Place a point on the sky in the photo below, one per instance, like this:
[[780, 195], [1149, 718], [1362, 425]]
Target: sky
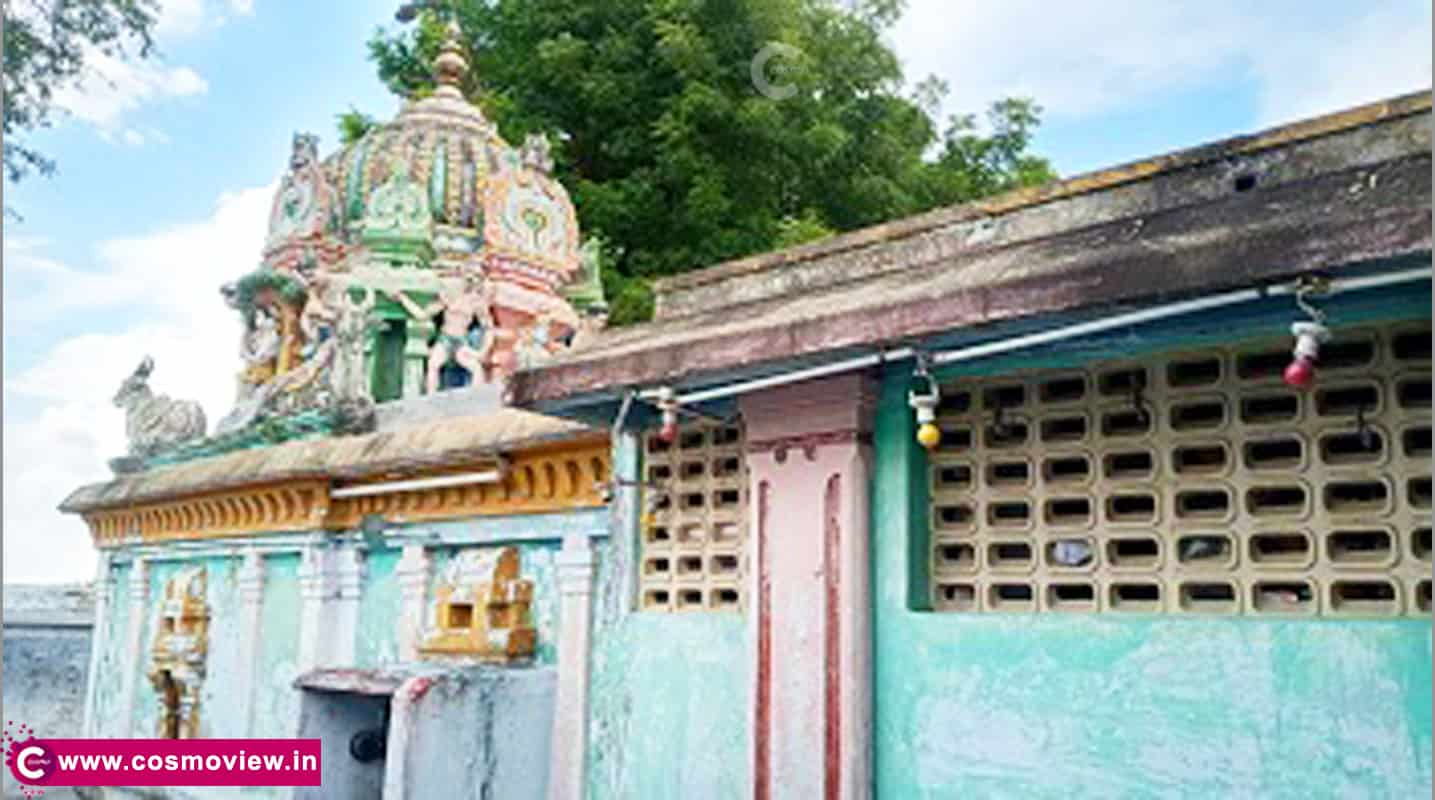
[[167, 168]]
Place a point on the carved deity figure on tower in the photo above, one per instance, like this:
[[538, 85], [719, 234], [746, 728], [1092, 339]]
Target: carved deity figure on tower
[[321, 310], [539, 342], [351, 330], [259, 350], [537, 153], [467, 331], [300, 215]]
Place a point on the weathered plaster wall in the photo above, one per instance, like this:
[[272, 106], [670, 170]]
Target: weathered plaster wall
[[378, 611], [47, 656], [1093, 706], [669, 712], [109, 670], [276, 699], [487, 730]]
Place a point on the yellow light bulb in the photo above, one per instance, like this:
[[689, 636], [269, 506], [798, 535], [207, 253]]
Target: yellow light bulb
[[928, 435]]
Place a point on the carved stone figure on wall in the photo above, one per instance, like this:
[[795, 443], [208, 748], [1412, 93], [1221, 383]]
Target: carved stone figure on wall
[[539, 342], [153, 422], [355, 322], [585, 294], [481, 608], [537, 153], [467, 332], [321, 310], [179, 653], [259, 350]]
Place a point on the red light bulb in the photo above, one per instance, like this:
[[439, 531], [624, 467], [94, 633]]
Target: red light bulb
[[1300, 374], [668, 432]]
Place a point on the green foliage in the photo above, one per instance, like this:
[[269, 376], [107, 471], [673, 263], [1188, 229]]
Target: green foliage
[[974, 165], [353, 124], [46, 44], [793, 231], [247, 290], [673, 154]]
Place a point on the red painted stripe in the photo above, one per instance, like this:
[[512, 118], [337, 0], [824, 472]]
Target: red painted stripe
[[832, 550], [762, 727]]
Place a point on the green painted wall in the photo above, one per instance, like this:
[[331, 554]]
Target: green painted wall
[[1091, 706], [668, 708]]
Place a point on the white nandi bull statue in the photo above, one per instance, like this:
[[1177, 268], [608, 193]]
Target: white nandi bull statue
[[153, 422]]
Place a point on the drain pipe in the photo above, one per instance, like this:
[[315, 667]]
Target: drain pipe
[[1000, 346], [617, 430]]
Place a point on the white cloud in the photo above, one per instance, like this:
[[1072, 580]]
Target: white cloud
[[179, 18], [175, 272], [170, 280], [112, 88], [1082, 59], [1383, 52]]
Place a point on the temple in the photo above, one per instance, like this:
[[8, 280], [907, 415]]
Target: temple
[[1121, 483]]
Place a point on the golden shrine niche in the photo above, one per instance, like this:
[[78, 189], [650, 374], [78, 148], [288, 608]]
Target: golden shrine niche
[[481, 608], [179, 652]]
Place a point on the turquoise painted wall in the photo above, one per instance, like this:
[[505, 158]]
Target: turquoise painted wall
[[379, 604], [1091, 706], [668, 709], [276, 701]]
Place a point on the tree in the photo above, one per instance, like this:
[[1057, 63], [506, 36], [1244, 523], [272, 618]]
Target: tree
[[47, 43], [353, 124], [673, 153]]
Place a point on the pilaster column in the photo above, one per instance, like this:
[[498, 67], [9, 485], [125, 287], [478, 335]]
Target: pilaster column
[[349, 571], [412, 573], [416, 349], [133, 657], [570, 714], [808, 460], [316, 591], [103, 587], [251, 608]]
